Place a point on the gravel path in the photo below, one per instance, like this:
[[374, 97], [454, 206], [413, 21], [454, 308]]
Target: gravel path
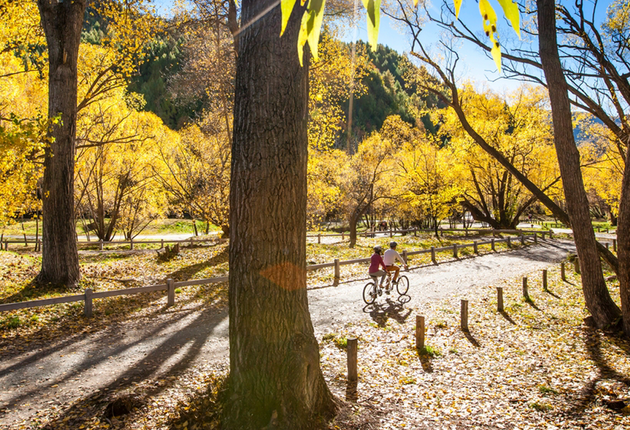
[[55, 375]]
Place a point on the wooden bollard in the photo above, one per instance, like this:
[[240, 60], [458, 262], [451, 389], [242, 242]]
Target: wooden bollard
[[455, 250], [464, 315], [170, 287], [563, 274], [475, 247], [492, 244], [433, 260], [337, 272], [6, 245], [544, 281], [576, 265], [162, 243], [615, 245], [535, 237], [343, 236], [500, 299], [509, 243], [352, 360], [522, 239], [550, 234], [87, 308], [319, 238], [419, 332], [525, 292], [404, 257], [607, 245], [131, 244]]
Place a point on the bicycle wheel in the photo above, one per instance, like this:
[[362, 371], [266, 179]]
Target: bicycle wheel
[[402, 286], [369, 293]]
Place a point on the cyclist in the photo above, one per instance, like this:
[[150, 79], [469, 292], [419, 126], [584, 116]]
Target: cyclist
[[376, 261], [390, 258]]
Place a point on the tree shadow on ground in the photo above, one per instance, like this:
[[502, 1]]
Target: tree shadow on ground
[[166, 360], [589, 394], [34, 290], [531, 303], [425, 359], [382, 312], [185, 273], [552, 294]]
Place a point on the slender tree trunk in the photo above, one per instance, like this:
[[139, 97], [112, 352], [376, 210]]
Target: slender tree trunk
[[62, 22], [275, 375], [353, 231], [597, 298], [623, 249]]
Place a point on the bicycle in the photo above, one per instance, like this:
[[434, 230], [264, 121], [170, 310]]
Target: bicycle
[[372, 289]]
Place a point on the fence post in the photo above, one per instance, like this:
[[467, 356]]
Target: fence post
[[419, 332], [337, 272], [525, 292], [509, 243], [550, 234], [352, 360], [162, 243], [607, 245], [522, 239], [404, 256], [391, 232], [433, 255], [535, 237], [131, 244], [475, 247], [319, 238], [563, 275], [454, 250], [6, 245], [545, 287], [343, 236], [615, 245], [170, 286], [87, 308], [576, 265], [500, 299], [492, 244], [464, 315], [191, 241], [100, 245]]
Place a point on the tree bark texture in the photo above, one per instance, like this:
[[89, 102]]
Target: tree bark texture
[[275, 375], [62, 22], [623, 249], [598, 301]]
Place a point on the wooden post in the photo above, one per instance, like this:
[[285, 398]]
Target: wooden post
[[419, 332], [87, 309], [509, 243], [550, 234], [319, 238], [343, 236], [337, 272], [170, 286], [100, 245], [352, 360], [492, 244], [607, 245], [131, 244], [545, 286], [464, 315], [615, 245], [576, 265], [404, 256], [162, 243], [500, 299], [525, 292], [522, 239], [433, 255], [6, 245], [454, 250], [475, 247], [191, 241], [563, 274], [391, 232], [535, 237]]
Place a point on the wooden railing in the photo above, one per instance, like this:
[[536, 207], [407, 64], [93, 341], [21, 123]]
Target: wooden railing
[[171, 285]]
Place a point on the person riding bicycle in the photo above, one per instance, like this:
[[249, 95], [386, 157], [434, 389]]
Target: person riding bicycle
[[375, 262], [390, 257]]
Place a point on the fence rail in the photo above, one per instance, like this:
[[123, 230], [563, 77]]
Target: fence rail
[[170, 285]]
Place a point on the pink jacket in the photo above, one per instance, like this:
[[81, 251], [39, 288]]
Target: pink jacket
[[375, 261]]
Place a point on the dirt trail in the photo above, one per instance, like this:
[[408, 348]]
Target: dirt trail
[[58, 374]]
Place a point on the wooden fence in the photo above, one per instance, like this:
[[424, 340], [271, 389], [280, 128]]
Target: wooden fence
[[171, 285], [4, 245]]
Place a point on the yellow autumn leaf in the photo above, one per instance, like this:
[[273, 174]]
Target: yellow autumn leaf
[[510, 9], [286, 6], [311, 28], [373, 8], [489, 18], [458, 5]]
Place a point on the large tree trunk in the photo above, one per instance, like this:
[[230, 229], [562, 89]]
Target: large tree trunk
[[62, 22], [275, 375], [597, 298], [623, 249]]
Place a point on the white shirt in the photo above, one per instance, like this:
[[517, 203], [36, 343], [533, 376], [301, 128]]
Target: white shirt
[[390, 256]]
